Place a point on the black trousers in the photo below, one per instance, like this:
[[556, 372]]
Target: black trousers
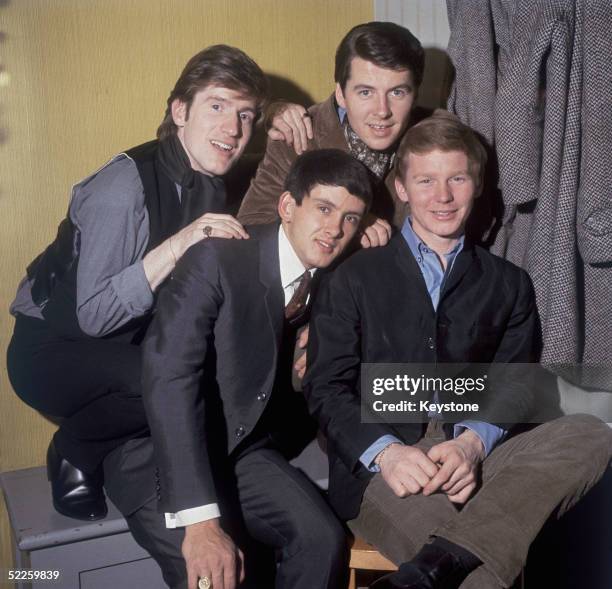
[[274, 504], [93, 384]]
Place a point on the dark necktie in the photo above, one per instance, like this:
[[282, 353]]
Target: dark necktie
[[300, 296]]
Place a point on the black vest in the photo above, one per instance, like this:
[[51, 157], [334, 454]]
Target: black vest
[[54, 271]]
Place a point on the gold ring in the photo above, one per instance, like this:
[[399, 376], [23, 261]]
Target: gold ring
[[204, 583], [207, 231]]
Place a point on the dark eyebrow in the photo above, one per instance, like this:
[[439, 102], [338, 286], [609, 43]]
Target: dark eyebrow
[[331, 205], [326, 202], [403, 86], [215, 98], [368, 87]]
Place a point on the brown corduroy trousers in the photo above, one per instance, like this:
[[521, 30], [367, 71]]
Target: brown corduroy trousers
[[524, 481]]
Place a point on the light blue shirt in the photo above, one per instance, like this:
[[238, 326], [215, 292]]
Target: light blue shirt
[[434, 276]]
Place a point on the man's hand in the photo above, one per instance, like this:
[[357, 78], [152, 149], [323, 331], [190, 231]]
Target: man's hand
[[159, 262], [459, 461], [221, 225], [406, 469], [300, 364], [376, 233], [290, 123], [209, 552]]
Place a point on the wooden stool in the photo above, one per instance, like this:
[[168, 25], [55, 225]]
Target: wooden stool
[[366, 558]]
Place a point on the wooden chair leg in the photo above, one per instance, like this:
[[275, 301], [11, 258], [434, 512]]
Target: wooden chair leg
[[352, 579]]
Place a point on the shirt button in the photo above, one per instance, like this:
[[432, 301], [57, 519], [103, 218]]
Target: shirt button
[[240, 432], [419, 259], [430, 343], [261, 397]]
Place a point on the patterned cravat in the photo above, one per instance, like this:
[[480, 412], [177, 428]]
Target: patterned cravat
[[378, 162], [300, 296]]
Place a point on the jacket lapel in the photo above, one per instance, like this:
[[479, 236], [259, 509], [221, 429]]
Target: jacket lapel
[[409, 267], [463, 263], [269, 276], [328, 130]]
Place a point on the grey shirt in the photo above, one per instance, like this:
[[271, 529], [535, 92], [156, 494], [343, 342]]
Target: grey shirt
[[108, 208]]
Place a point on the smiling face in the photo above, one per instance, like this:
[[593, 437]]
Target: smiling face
[[321, 227], [378, 102], [440, 190], [216, 128]]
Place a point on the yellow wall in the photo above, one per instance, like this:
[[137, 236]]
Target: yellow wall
[[82, 79]]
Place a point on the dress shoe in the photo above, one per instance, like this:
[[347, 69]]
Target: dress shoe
[[431, 568], [75, 493]]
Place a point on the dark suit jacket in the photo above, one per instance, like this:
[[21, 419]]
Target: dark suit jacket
[[210, 364], [375, 308]]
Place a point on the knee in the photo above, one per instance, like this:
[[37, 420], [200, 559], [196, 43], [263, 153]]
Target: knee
[[588, 436], [323, 537]]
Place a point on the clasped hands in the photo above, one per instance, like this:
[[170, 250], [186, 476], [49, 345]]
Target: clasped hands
[[450, 467]]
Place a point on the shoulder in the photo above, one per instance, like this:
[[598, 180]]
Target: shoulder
[[116, 185], [366, 265], [327, 130], [322, 110], [496, 267], [119, 172], [234, 254]]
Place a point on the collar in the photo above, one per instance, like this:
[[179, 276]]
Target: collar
[[291, 268], [418, 246]]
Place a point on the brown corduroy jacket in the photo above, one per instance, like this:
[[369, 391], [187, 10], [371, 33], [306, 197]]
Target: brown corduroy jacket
[[260, 202]]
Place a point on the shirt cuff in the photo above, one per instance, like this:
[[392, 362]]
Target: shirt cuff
[[367, 458], [133, 289], [194, 515], [489, 434]]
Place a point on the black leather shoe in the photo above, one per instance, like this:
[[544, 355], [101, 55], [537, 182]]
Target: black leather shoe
[[75, 493], [431, 568]]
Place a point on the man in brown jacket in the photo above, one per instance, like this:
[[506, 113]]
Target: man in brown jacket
[[379, 67]]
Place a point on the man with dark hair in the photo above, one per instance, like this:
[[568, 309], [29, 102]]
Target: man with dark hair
[[217, 389], [379, 67], [453, 504], [83, 308]]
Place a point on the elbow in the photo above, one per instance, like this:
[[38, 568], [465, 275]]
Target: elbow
[[91, 328]]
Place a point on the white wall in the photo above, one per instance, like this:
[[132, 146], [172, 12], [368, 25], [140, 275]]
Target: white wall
[[428, 21]]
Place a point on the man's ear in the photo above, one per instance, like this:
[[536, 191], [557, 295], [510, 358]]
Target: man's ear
[[340, 96], [401, 191], [178, 108], [286, 206]]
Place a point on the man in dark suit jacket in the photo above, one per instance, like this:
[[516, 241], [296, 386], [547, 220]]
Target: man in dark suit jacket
[[217, 392], [432, 297]]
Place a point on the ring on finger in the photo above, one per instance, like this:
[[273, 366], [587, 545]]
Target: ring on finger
[[207, 230], [204, 583]]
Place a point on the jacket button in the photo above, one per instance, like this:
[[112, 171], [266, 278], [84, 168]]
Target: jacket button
[[240, 432], [430, 343], [262, 397]]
